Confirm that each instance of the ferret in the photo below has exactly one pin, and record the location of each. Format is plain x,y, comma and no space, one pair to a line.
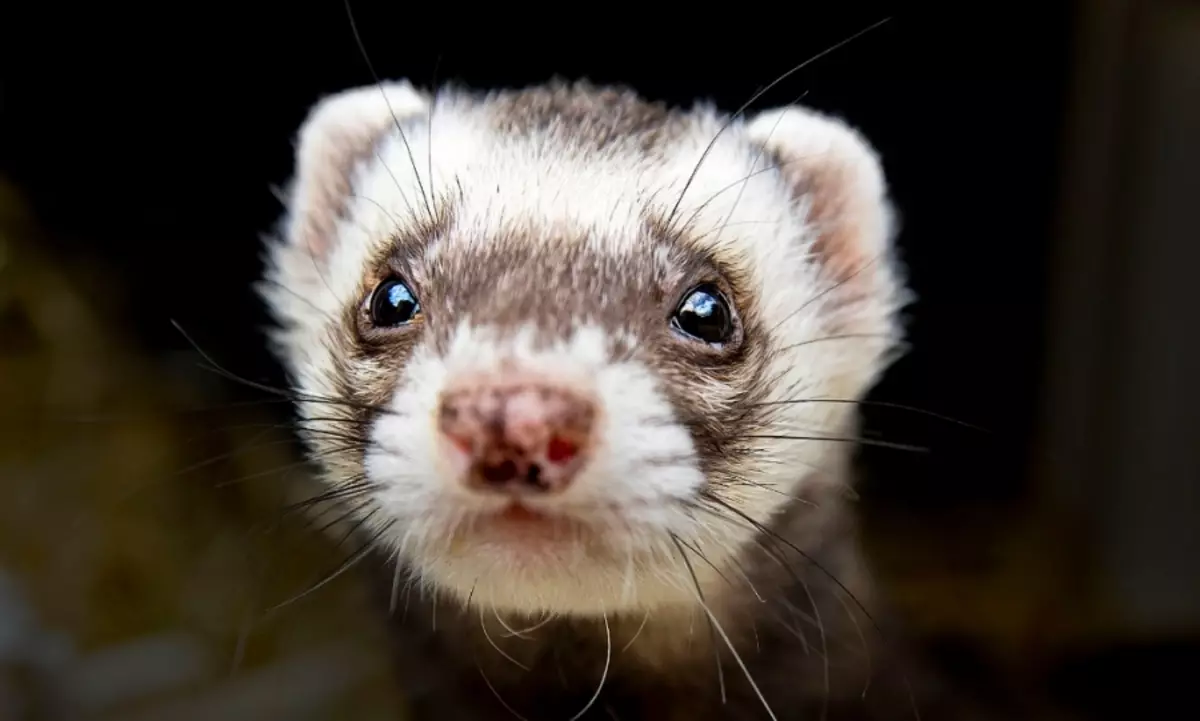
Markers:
584,367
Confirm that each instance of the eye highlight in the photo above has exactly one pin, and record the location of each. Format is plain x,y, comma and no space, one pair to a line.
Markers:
393,304
704,315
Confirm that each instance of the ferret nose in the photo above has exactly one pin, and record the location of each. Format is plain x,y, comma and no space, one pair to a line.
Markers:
519,439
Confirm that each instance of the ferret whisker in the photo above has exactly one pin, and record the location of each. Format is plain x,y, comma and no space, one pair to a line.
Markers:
841,282
731,555
434,612
488,682
771,489
637,632
878,404
862,639
394,599
778,539
429,125
339,494
293,396
350,420
284,471
814,620
824,648
841,439
264,428
276,284
345,566
790,626
264,527
702,557
409,583
741,569
471,593
362,48
269,472
97,419
352,442
522,633
488,637
509,631
792,426
321,448
792,390
734,224
794,612
410,577
394,220
711,621
355,439
341,403
740,182
239,450
762,149
604,673
716,625
354,511
753,99
839,336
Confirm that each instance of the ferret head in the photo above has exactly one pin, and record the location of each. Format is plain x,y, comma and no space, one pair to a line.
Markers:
555,340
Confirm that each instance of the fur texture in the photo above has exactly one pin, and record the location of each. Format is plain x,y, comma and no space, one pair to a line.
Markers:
554,230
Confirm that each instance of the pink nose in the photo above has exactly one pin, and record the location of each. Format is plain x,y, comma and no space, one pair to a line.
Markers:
519,439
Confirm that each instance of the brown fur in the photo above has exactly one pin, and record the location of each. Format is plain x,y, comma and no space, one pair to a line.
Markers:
599,115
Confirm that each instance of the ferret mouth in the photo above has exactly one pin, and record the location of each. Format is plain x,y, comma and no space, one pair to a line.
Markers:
537,531
517,513
522,527
518,520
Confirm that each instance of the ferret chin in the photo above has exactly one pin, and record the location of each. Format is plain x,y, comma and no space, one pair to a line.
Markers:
587,363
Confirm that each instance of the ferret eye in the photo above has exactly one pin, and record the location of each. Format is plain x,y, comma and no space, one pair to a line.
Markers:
704,315
393,304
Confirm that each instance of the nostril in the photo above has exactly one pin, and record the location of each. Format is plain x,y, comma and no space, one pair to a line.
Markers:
560,450
499,473
533,476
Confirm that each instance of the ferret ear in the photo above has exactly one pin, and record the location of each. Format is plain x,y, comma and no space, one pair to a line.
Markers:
836,175
341,132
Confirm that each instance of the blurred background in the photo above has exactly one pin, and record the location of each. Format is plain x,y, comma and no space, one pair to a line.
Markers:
1045,157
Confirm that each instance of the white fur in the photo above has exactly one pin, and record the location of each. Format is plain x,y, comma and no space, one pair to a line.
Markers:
745,218
628,502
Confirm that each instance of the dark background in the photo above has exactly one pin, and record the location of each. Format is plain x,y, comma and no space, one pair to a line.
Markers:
147,141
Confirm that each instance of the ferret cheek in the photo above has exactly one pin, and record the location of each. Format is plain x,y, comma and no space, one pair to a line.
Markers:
400,457
451,462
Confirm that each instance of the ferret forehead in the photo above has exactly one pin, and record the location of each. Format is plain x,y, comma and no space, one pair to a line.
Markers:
589,117
574,156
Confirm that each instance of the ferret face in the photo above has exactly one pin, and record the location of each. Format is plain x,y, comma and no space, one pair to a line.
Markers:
553,342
